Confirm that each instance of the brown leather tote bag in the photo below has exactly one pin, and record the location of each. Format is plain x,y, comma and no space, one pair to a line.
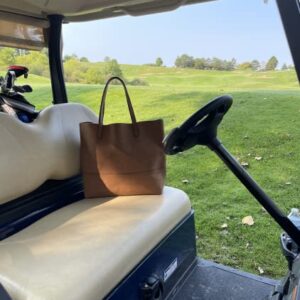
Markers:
122,159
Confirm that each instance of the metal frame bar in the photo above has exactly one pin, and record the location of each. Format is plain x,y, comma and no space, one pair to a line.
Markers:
285,223
290,15
55,59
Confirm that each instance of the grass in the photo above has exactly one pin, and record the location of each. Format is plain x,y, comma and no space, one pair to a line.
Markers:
264,121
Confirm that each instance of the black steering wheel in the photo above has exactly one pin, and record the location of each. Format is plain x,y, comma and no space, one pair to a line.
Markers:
200,128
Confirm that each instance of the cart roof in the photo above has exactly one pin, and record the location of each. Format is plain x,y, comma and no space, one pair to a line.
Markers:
84,10
22,22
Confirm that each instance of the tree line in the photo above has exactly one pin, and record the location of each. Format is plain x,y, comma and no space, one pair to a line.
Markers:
187,61
81,70
76,69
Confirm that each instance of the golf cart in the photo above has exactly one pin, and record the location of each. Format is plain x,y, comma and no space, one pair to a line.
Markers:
56,245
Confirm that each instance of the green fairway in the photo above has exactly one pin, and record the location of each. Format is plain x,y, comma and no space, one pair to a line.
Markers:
263,122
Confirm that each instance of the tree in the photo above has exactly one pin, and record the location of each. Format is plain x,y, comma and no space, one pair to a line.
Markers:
272,64
284,67
184,61
245,66
159,62
84,59
217,64
36,61
112,68
95,75
208,62
255,65
199,63
72,70
7,56
231,65
68,57
44,51
99,73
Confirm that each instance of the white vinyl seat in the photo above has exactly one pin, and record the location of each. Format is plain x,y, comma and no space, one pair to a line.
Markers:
81,251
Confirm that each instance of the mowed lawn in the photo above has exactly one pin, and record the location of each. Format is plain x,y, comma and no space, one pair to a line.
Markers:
264,121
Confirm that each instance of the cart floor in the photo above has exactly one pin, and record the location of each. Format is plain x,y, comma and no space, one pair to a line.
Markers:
212,281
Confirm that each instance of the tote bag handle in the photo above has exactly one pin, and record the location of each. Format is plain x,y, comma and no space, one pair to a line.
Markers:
129,104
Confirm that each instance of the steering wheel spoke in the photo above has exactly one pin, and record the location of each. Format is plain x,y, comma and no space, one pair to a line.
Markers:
200,128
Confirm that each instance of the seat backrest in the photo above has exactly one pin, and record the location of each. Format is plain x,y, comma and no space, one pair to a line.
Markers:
46,149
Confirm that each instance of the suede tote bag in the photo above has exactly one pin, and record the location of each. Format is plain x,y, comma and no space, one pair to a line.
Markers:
122,159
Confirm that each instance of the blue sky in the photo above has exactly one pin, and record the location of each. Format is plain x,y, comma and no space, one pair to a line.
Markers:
244,29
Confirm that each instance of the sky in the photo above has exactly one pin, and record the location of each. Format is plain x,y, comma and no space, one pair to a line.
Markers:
241,29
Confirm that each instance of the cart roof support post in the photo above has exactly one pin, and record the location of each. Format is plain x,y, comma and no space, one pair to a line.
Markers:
290,16
55,59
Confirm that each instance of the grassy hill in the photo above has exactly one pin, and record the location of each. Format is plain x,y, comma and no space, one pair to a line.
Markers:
264,121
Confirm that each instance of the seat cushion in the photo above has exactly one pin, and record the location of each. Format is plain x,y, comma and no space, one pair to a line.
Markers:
82,251
46,149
